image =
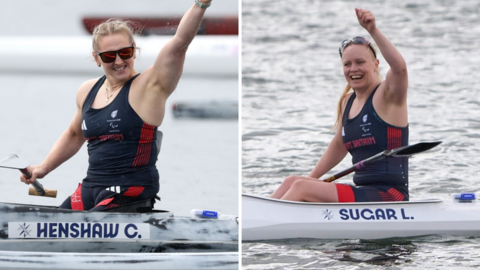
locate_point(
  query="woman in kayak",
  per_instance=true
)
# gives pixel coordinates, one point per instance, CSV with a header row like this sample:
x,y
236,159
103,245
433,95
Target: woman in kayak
x,y
370,119
118,115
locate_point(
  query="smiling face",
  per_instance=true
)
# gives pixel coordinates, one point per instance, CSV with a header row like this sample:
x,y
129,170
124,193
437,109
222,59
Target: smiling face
x,y
120,69
360,66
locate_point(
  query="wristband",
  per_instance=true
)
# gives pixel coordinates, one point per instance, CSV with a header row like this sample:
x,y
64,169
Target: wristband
x,y
202,5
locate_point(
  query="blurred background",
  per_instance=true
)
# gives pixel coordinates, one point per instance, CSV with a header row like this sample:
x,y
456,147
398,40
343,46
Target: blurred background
x,y
45,52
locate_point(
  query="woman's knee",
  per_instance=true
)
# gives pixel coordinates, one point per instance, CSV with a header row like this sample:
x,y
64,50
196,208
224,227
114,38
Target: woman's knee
x,y
291,179
300,184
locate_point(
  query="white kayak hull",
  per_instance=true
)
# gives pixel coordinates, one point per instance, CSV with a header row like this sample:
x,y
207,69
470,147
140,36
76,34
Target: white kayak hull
x,y
41,228
265,218
118,261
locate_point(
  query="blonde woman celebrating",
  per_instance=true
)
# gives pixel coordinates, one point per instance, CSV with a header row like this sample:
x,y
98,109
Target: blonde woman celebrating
x,y
118,115
370,119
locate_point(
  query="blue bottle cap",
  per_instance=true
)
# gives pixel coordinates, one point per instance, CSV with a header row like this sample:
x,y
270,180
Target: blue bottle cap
x,y
465,196
210,214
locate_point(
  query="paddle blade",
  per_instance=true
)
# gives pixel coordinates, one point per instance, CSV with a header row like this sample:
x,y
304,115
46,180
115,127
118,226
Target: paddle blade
x,y
413,149
13,162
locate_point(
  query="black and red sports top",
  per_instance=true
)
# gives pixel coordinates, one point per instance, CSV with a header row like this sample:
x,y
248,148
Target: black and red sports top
x,y
121,147
366,135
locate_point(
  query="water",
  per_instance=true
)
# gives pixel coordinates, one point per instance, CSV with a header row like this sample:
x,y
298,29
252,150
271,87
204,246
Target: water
x,y
291,82
198,163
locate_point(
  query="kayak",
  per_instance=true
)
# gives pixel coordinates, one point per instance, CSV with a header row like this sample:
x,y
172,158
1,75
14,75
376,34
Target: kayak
x,y
130,227
265,218
50,229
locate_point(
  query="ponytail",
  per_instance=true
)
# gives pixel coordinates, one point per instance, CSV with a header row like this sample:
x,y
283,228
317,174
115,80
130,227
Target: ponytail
x,y
339,106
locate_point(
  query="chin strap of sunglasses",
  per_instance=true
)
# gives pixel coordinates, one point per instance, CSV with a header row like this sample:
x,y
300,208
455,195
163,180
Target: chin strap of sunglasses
x,y
202,5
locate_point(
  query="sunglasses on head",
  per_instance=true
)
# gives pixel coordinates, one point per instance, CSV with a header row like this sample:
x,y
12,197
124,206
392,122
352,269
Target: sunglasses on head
x,y
109,57
355,40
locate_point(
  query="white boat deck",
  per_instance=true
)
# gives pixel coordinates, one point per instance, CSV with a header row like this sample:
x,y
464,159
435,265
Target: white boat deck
x,y
431,200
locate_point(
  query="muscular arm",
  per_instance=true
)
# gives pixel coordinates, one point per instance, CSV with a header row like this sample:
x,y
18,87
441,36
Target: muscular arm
x,y
168,67
397,77
160,80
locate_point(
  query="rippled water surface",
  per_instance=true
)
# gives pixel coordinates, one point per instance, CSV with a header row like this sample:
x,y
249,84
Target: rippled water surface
x,y
292,79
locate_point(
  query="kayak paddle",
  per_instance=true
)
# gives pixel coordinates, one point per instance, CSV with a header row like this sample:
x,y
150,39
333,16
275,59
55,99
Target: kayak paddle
x,y
404,151
13,162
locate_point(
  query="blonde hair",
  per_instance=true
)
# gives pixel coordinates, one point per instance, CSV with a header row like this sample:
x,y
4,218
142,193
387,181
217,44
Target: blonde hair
x,y
114,26
347,89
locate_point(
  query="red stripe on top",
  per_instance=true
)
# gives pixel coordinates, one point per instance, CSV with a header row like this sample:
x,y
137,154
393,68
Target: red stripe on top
x,y
144,146
133,191
394,138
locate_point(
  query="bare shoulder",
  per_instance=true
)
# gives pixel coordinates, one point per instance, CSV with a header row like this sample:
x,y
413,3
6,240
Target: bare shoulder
x,y
84,89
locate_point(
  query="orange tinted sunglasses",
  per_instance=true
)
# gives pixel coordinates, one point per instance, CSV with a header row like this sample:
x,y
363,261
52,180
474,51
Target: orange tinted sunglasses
x,y
110,56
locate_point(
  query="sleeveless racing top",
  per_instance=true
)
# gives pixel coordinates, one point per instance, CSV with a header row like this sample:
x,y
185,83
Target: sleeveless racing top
x,y
121,147
366,135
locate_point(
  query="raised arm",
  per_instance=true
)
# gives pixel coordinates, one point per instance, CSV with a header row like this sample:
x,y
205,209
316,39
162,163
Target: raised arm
x,y
396,81
168,66
157,82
